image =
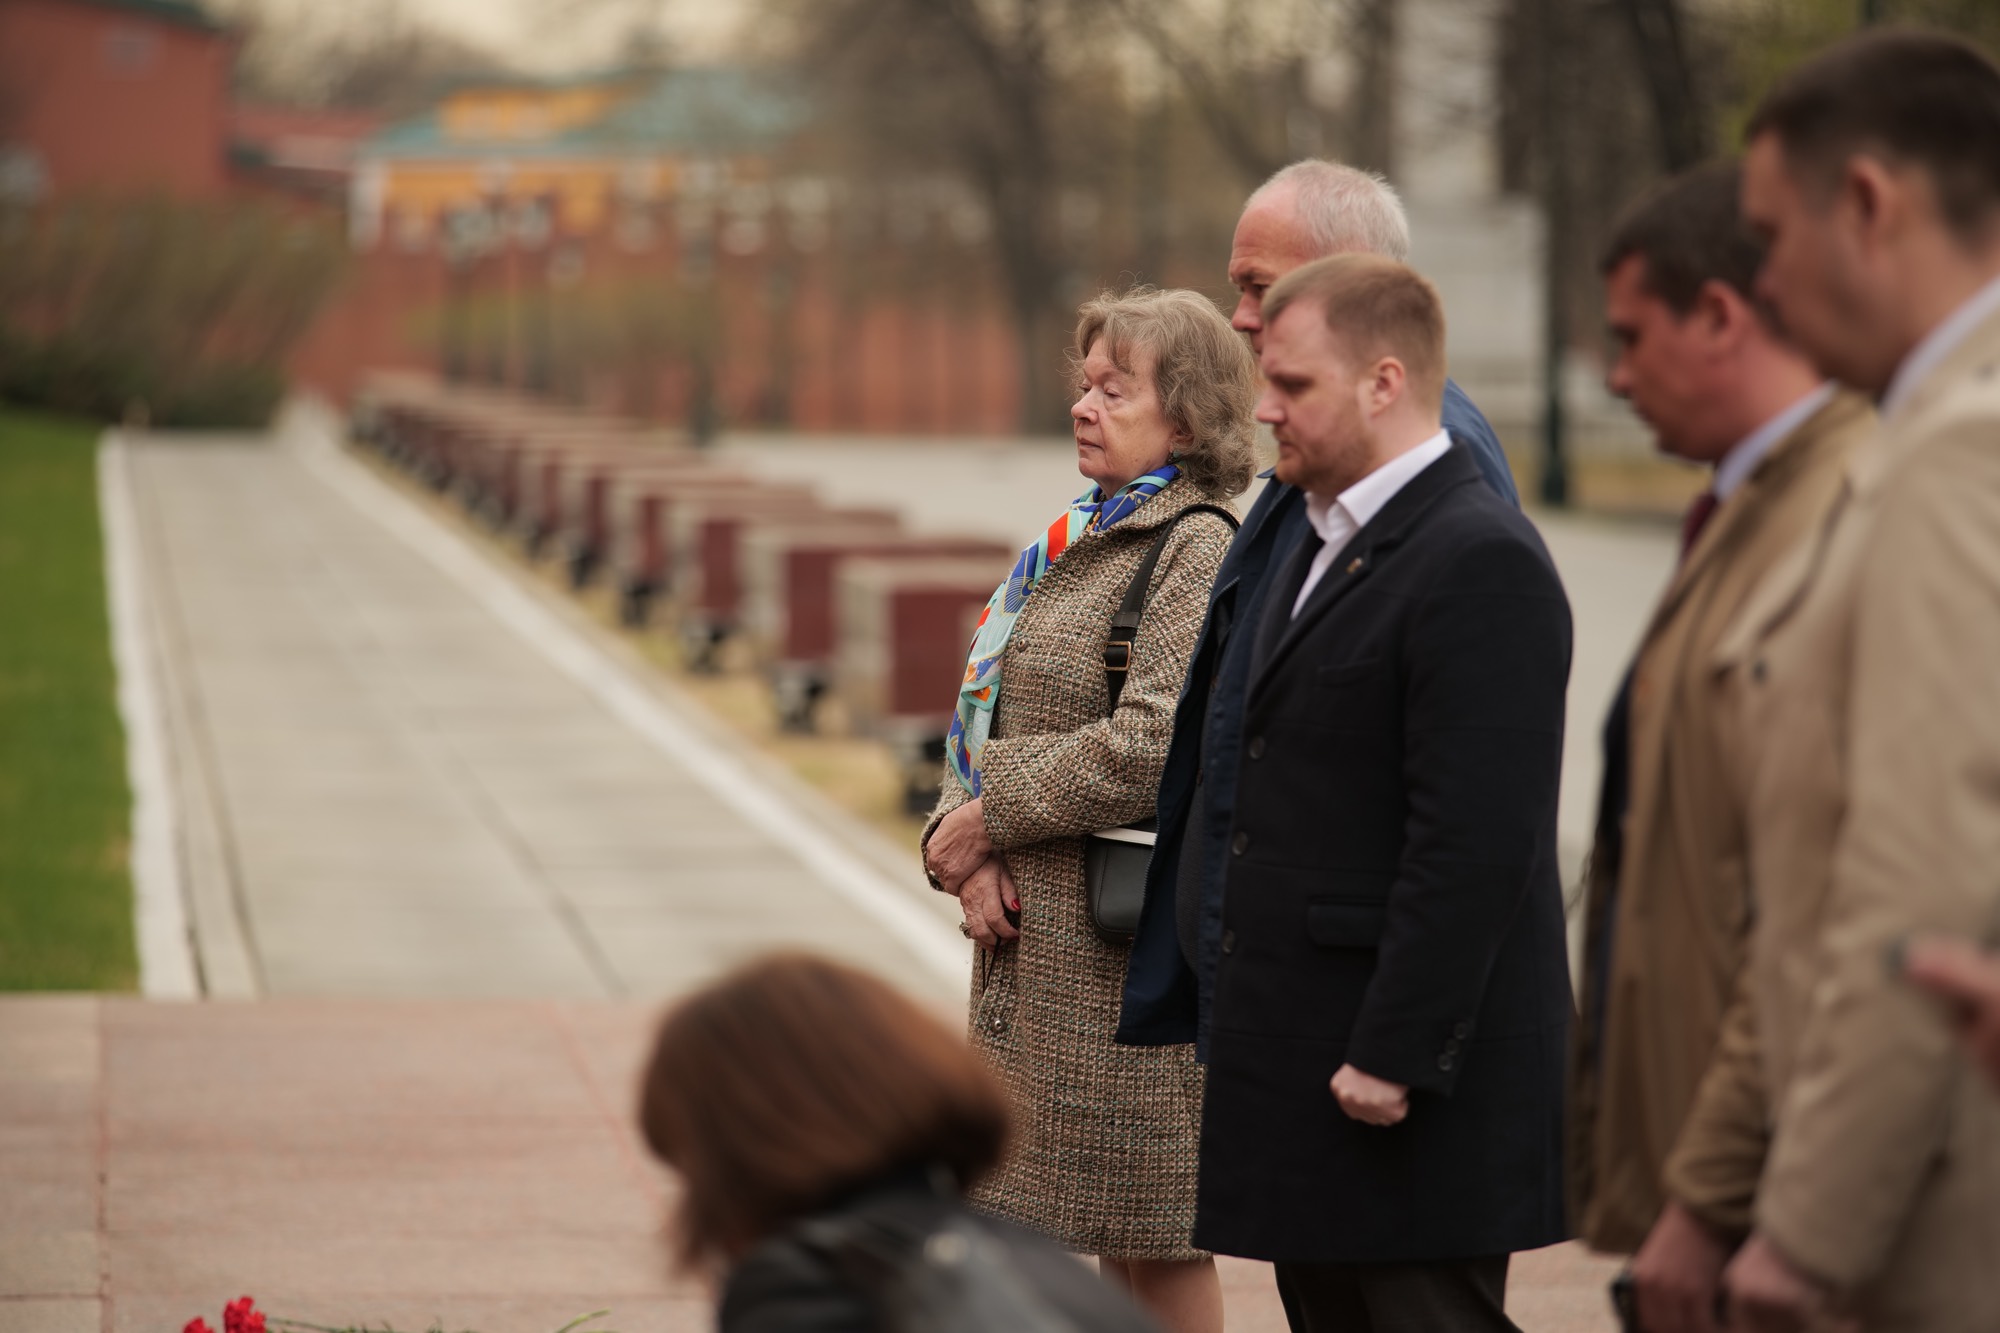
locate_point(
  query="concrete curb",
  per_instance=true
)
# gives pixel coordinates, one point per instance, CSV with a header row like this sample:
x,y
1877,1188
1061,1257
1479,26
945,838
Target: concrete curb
x,y
167,969
184,884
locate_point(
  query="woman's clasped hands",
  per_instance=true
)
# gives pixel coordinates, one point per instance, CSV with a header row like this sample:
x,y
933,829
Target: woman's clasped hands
x,y
962,857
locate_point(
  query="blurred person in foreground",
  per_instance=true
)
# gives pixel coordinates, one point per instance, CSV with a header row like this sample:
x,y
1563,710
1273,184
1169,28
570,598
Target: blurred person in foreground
x,y
1392,1008
824,1129
1667,907
1308,211
1038,757
1865,730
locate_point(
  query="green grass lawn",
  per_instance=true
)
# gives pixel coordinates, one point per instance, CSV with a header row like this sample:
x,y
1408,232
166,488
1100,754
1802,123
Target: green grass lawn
x,y
65,882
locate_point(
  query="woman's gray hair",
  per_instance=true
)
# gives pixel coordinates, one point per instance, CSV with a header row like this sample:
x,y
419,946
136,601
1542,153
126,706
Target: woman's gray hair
x,y
1203,373
1343,209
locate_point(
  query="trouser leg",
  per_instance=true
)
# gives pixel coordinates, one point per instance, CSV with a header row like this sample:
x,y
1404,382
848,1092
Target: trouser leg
x,y
1322,1298
1441,1296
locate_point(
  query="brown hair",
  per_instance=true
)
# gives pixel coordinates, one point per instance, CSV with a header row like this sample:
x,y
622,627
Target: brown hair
x,y
1689,231
1203,373
1902,95
794,1079
1378,307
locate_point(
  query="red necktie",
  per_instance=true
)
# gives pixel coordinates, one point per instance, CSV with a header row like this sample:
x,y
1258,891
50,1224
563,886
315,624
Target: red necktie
x,y
1697,518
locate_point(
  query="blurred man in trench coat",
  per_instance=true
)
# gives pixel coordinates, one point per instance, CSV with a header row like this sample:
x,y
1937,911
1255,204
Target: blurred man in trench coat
x,y
1865,680
1668,912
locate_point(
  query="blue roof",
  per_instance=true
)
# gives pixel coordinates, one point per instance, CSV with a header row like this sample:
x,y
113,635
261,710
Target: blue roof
x,y
716,110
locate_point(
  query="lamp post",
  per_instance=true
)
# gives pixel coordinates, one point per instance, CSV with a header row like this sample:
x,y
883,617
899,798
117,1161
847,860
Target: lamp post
x,y
565,271
1557,234
533,227
456,244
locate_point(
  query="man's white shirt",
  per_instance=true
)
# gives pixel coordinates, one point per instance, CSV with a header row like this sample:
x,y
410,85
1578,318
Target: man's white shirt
x,y
1737,465
1337,518
1938,344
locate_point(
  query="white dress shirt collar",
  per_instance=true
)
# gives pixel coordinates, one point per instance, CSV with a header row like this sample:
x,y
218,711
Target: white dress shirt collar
x,y
1353,507
1337,518
1737,465
1938,344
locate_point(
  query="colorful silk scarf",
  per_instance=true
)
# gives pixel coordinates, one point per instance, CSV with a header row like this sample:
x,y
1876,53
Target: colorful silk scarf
x,y
981,689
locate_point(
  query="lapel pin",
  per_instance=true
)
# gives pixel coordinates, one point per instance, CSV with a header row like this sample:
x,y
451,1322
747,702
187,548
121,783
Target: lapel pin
x,y
1354,564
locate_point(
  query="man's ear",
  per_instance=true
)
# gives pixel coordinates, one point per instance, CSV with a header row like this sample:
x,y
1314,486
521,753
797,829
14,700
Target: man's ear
x,y
1723,311
1386,383
1874,196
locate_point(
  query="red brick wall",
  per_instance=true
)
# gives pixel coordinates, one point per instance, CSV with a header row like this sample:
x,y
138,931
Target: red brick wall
x,y
877,363
113,99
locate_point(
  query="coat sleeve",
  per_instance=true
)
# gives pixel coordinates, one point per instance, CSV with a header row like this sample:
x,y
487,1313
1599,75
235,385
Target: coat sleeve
x,y
1862,1122
1487,665
1107,772
951,796
1713,1166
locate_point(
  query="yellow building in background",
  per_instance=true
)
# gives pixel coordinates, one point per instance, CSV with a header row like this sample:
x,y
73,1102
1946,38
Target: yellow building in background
x,y
571,156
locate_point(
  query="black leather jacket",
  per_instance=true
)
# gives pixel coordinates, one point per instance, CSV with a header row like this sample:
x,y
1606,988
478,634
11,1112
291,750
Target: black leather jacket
x,y
905,1255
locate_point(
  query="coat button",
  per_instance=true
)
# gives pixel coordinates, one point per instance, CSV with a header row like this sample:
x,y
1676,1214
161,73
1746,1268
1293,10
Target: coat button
x,y
1229,941
1461,1030
1240,843
1256,747
1444,1063
1451,1047
999,1025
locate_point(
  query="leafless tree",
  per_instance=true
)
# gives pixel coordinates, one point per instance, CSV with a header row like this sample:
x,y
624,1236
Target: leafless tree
x,y
371,56
973,90
1680,114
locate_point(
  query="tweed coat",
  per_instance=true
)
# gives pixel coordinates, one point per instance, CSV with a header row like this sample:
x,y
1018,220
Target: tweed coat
x,y
1103,1155
1861,678
1667,913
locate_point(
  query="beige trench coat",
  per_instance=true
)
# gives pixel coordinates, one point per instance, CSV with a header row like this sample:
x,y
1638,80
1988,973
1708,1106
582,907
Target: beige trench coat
x,y
1865,680
1682,915
1103,1157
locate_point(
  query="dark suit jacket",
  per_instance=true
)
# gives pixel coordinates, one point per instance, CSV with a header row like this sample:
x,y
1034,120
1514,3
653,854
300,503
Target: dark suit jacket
x,y
1167,992
1393,900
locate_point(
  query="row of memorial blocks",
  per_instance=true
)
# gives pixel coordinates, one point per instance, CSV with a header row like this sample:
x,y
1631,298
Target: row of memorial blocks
x,y
827,602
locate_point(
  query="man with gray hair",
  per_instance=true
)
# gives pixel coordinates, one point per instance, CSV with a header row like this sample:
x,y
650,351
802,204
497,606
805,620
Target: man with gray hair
x,y
1309,210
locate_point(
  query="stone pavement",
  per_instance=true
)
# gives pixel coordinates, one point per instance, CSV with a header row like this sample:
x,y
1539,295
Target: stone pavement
x,y
351,1161
427,778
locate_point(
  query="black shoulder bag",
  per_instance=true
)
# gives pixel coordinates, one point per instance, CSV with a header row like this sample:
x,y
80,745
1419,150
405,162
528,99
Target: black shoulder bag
x,y
1115,859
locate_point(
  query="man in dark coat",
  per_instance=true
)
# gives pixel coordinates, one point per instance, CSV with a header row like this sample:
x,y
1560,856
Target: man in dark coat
x,y
1384,1106
1308,211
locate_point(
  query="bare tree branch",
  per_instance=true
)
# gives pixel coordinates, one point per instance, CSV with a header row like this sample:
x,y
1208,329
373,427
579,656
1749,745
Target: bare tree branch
x,y
1659,34
1221,113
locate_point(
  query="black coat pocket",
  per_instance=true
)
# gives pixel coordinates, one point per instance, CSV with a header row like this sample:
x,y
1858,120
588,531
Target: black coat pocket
x,y
1328,676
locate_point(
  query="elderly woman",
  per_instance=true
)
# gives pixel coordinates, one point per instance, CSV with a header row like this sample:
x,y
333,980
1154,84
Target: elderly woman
x,y
1037,760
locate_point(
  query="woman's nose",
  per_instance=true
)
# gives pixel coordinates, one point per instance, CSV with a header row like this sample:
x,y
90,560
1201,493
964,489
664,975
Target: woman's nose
x,y
1081,407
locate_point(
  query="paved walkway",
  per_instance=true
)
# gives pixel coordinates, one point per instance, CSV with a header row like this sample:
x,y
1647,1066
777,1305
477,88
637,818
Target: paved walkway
x,y
427,777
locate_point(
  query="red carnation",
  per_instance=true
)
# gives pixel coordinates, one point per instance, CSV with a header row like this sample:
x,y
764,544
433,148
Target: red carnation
x,y
242,1316
197,1325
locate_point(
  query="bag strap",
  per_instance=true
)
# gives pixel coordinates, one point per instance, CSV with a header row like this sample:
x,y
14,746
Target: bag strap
x,y
1125,622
